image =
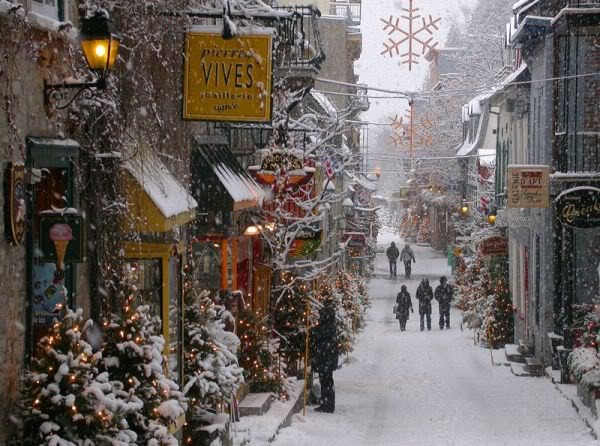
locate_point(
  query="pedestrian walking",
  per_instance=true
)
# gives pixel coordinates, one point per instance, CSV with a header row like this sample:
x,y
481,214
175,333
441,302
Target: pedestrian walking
x,y
444,295
407,256
425,296
403,306
392,254
325,354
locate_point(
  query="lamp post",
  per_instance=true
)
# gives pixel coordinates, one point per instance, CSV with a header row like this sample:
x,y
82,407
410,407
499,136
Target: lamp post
x,y
100,45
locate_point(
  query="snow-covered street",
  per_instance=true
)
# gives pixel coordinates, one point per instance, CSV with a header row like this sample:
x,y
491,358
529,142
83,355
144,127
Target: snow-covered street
x,y
432,388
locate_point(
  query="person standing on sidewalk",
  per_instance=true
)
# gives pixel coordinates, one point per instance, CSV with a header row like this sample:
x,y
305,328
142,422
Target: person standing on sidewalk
x,y
407,256
444,295
403,305
392,254
325,354
425,296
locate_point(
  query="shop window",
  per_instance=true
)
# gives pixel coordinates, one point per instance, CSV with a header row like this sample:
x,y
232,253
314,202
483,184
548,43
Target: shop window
x,y
149,272
207,259
586,261
49,288
175,318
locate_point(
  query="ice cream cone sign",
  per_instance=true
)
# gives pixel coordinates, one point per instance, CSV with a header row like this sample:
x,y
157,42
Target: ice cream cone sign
x,y
61,234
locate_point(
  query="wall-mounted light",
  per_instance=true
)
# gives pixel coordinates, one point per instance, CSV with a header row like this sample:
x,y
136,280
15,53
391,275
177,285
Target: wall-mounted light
x,y
464,208
491,218
252,230
100,45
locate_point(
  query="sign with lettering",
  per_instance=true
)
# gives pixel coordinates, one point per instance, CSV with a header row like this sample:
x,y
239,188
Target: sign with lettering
x,y
15,211
528,186
227,80
505,219
494,246
579,207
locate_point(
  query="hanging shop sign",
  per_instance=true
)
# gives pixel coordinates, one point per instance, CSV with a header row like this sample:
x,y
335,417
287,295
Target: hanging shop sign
x,y
355,239
61,239
494,246
14,203
282,166
579,207
227,80
528,186
505,219
307,241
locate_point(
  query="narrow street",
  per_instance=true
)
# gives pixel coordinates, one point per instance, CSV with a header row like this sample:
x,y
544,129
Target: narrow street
x,y
432,388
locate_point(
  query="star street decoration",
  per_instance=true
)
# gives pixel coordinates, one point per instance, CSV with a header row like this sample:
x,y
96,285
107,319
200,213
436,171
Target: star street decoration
x,y
419,29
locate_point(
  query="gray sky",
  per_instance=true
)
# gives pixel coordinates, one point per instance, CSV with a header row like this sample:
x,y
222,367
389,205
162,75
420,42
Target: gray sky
x,y
383,71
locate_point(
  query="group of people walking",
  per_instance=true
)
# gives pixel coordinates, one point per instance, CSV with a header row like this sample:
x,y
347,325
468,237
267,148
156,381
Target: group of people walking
x,y
407,256
425,294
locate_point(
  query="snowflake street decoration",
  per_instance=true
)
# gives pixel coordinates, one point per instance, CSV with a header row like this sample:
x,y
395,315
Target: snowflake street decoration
x,y
418,27
406,129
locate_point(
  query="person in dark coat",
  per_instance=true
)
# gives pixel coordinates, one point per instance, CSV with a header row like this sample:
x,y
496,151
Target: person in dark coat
x,y
392,254
425,296
444,295
403,305
325,354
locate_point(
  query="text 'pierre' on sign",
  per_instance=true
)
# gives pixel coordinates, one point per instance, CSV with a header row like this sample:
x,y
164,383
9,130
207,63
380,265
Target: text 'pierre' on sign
x,y
227,80
528,186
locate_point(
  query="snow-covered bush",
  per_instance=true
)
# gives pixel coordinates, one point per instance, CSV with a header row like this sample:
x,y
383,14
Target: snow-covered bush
x,y
211,370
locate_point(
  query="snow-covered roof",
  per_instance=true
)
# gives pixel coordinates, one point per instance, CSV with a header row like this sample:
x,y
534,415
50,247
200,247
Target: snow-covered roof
x,y
324,102
362,182
523,3
169,195
487,157
469,146
239,184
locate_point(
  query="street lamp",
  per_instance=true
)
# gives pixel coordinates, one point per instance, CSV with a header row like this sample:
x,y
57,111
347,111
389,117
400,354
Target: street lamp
x,y
464,209
100,45
348,206
252,230
492,215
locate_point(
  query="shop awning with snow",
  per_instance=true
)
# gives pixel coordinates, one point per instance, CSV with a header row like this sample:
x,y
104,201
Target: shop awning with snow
x,y
157,201
220,181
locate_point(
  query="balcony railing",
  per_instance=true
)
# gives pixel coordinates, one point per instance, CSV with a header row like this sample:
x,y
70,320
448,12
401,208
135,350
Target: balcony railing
x,y
578,152
350,10
302,46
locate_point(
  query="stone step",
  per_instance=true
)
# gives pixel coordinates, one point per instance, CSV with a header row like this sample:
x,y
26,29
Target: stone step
x,y
256,404
534,366
518,369
524,347
512,353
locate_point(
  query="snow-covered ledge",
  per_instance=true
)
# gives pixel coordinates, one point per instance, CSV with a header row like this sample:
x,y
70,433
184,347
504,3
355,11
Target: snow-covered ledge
x,y
38,21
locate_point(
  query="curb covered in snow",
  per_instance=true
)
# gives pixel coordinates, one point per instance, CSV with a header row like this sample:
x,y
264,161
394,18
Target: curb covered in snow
x,y
569,392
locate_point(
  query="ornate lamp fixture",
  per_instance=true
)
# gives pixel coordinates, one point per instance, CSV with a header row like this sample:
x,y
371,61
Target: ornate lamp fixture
x,y
100,45
464,209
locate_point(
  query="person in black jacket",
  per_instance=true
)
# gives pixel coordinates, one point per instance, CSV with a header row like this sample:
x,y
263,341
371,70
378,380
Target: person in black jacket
x,y
444,295
425,296
325,354
403,305
392,254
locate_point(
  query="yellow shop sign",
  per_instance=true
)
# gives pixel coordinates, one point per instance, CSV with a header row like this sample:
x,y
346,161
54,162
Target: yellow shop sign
x,y
227,80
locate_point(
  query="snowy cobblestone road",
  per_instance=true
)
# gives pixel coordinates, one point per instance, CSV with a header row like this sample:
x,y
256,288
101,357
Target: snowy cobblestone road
x,y
432,388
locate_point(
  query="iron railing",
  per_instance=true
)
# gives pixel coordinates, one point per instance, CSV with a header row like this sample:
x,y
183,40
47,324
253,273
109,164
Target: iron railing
x,y
300,40
578,152
350,10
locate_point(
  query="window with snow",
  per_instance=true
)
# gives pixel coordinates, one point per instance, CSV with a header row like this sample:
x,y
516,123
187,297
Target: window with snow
x,y
48,8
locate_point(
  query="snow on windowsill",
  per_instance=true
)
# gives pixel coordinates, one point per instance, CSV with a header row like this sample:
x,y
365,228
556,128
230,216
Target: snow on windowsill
x,y
40,21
